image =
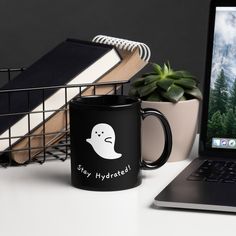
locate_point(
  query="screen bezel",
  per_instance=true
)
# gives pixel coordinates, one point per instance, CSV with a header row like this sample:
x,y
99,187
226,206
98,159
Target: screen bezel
x,y
203,149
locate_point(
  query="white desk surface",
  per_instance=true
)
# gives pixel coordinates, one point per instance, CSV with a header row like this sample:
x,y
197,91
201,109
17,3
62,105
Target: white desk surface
x,y
38,200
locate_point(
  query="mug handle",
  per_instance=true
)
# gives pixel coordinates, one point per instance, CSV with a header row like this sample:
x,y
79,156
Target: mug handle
x,y
168,139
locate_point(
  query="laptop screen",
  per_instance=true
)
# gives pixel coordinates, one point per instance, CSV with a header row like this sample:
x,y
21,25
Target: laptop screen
x,y
221,123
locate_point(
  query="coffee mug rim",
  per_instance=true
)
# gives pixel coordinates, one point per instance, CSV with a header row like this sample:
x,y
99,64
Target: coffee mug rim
x,y
130,101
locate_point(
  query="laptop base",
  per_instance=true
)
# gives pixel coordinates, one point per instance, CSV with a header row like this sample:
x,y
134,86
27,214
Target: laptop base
x,y
185,194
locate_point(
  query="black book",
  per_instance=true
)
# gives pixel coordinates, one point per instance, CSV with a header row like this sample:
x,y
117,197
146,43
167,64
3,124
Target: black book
x,y
71,62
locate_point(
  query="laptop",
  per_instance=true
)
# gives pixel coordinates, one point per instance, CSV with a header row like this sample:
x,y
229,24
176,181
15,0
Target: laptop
x,y
209,182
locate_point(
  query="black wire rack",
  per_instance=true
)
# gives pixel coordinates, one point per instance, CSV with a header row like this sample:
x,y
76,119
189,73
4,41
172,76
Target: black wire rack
x,y
59,149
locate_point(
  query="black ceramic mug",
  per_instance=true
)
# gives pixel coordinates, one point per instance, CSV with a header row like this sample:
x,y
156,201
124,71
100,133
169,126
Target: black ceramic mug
x,y
106,142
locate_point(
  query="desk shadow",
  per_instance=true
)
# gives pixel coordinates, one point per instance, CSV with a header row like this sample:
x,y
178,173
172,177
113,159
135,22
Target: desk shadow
x,y
145,176
53,177
195,211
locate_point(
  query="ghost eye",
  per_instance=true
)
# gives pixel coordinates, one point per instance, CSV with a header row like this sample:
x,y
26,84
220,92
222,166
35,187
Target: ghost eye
x,y
102,132
96,132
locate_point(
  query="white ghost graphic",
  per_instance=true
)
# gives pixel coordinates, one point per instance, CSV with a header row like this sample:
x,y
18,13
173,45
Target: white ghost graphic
x,y
103,141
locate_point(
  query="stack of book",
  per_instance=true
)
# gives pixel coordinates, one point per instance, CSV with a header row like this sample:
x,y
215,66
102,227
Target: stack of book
x,y
33,112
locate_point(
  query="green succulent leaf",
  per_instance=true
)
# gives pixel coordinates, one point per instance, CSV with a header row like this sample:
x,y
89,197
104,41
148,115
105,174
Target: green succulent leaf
x,y
147,89
174,93
151,78
183,74
155,96
196,93
174,76
186,83
165,69
157,69
183,98
168,64
165,83
138,82
147,74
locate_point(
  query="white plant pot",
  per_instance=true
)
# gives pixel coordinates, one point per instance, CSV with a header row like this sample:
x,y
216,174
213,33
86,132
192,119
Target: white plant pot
x,y
183,120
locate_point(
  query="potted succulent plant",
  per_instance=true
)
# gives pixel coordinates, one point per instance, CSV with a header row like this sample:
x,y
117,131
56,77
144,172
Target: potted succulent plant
x,y
177,96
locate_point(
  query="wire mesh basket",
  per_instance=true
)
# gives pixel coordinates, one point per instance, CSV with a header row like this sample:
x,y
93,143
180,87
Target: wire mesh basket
x,y
59,149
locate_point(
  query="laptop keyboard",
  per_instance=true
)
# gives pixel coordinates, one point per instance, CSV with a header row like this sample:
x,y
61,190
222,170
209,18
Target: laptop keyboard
x,y
215,171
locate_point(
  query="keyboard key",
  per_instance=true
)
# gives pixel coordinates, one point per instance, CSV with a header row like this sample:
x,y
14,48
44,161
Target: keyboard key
x,y
196,174
230,164
228,181
195,178
207,164
211,180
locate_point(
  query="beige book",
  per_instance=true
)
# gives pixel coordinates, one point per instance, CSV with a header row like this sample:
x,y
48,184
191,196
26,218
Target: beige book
x,y
134,57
